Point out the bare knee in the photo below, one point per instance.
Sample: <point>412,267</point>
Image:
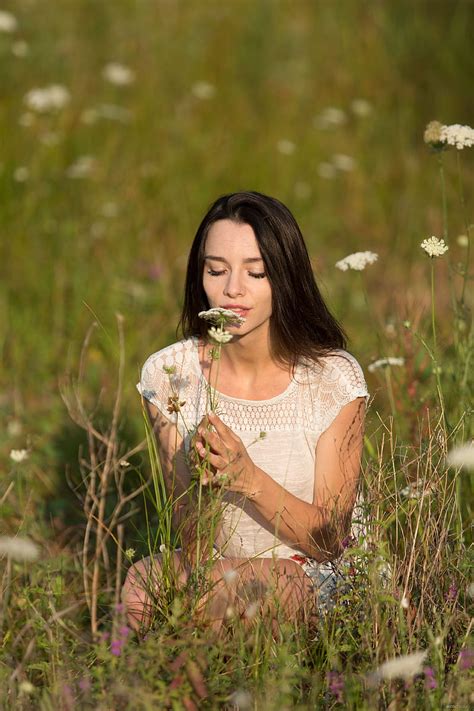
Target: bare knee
<point>137,592</point>
<point>143,584</point>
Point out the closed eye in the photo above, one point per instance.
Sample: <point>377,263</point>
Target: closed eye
<point>216,272</point>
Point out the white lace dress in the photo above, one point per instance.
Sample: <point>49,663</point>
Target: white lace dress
<point>292,421</point>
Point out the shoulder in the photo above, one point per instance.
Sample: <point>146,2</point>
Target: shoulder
<point>345,367</point>
<point>170,366</point>
<point>170,357</point>
<point>330,383</point>
<point>339,364</point>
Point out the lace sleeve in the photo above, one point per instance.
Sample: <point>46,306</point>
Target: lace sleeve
<point>155,384</point>
<point>343,382</point>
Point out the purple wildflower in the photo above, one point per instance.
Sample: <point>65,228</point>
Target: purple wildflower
<point>85,684</point>
<point>116,647</point>
<point>430,678</point>
<point>119,608</point>
<point>466,658</point>
<point>104,636</point>
<point>124,631</point>
<point>452,593</point>
<point>335,682</point>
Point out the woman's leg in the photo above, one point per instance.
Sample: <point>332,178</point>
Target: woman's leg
<point>143,584</point>
<point>236,587</point>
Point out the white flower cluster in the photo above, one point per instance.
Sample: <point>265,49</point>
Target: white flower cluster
<point>20,549</point>
<point>219,335</point>
<point>404,667</point>
<point>222,317</point>
<point>118,74</point>
<point>82,168</point>
<point>458,136</point>
<point>19,455</point>
<point>462,456</point>
<point>203,90</point>
<point>49,98</point>
<point>434,247</point>
<point>8,22</point>
<point>384,362</point>
<point>357,261</point>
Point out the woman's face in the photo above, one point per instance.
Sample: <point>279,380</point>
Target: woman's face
<point>234,276</point>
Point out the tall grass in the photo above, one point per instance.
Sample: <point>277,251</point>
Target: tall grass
<point>76,251</point>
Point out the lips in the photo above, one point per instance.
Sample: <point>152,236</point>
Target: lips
<point>237,308</point>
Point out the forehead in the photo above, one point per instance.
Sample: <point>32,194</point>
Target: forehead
<point>226,236</point>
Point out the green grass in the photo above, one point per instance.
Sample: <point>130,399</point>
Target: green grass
<point>75,251</point>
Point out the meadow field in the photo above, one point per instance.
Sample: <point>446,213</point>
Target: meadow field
<point>120,123</point>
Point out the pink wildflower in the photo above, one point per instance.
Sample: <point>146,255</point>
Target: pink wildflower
<point>430,678</point>
<point>466,658</point>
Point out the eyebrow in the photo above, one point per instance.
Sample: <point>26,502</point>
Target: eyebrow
<point>221,259</point>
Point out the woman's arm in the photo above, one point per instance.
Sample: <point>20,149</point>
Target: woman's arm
<point>318,528</point>
<point>178,483</point>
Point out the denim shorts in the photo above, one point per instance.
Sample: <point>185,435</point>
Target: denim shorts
<point>329,580</point>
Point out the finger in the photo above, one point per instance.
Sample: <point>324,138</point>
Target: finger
<point>214,441</point>
<point>222,430</point>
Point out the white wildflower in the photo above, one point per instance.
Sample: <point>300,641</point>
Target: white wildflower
<point>251,610</point>
<point>357,261</point>
<point>326,170</point>
<point>458,136</point>
<point>285,147</point>
<point>462,456</point>
<point>384,362</point>
<point>432,134</point>
<point>123,463</point>
<point>19,455</point>
<point>411,492</point>
<point>405,603</point>
<point>224,317</point>
<point>230,612</point>
<point>130,553</point>
<point>241,700</point>
<point>361,107</point>
<point>203,90</point>
<point>8,22</point>
<point>81,168</point>
<point>434,247</point>
<point>330,117</point>
<point>19,549</point>
<point>463,241</point>
<point>20,49</point>
<point>343,162</point>
<point>163,548</point>
<point>230,576</point>
<point>218,335</point>
<point>404,667</point>
<point>49,98</point>
<point>118,74</point>
<point>21,174</point>
<point>26,687</point>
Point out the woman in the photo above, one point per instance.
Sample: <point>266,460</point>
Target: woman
<point>284,447</point>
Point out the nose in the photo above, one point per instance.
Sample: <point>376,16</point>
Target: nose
<point>234,285</point>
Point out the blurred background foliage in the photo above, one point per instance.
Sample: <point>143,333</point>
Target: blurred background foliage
<point>320,103</point>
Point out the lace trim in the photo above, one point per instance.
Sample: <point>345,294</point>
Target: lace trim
<point>311,401</point>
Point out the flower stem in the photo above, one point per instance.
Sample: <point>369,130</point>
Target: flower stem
<point>433,319</point>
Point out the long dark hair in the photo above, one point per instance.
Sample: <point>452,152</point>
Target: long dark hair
<point>301,326</point>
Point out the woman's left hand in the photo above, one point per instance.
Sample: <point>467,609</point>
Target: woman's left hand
<point>227,455</point>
